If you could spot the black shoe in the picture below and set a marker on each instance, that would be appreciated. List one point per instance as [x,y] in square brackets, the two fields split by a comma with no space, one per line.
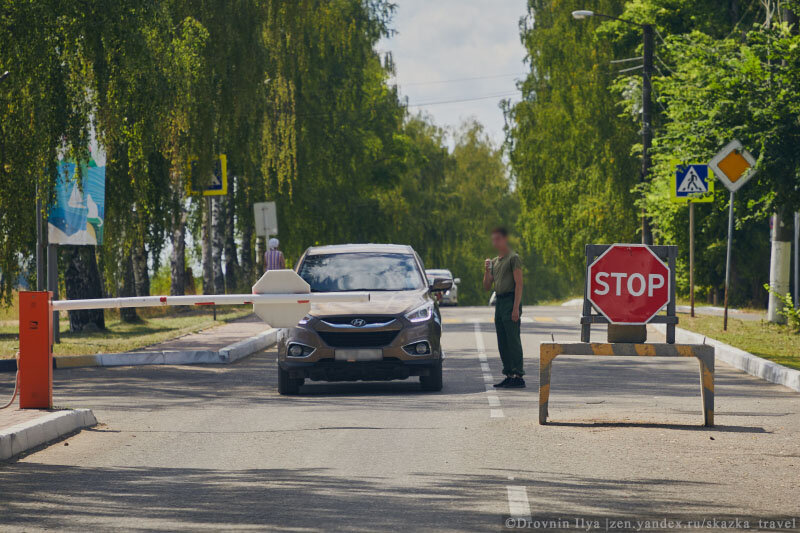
[503,383]
[516,383]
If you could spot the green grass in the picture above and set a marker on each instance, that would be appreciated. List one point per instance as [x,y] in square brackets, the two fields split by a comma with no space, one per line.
[770,341]
[157,325]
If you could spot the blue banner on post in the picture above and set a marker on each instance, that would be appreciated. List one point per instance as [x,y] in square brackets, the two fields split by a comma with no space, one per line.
[76,216]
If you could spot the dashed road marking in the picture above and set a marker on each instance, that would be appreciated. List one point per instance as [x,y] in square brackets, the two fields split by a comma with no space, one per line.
[518,505]
[493,399]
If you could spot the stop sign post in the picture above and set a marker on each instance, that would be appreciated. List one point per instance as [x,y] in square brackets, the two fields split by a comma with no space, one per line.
[628,284]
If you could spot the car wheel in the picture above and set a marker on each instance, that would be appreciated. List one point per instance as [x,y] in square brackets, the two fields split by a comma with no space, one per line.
[432,382]
[288,385]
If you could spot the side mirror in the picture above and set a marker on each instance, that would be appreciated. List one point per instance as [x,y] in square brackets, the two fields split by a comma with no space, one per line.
[441,284]
[457,281]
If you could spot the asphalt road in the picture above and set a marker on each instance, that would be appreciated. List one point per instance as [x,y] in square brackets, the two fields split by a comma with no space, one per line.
[215,447]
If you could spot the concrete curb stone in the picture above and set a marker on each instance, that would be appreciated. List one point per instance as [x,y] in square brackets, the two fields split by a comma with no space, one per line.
[745,361]
[22,437]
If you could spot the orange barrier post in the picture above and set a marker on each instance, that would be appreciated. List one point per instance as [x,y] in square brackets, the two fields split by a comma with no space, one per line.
[35,351]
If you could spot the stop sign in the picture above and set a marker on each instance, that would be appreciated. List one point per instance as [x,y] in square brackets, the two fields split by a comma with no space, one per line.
[628,284]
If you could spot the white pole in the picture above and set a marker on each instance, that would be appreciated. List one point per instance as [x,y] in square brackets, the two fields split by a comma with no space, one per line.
[728,263]
[211,299]
[796,259]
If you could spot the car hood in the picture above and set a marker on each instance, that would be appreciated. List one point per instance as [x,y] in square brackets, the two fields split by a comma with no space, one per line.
[380,303]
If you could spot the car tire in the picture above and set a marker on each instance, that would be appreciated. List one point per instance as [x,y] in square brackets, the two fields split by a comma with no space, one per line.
[288,385]
[433,381]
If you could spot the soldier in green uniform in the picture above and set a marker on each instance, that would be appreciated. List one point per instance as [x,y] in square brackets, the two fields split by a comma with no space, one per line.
[505,272]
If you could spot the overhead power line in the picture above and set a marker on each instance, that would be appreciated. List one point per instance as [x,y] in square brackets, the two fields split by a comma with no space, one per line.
[461,79]
[455,101]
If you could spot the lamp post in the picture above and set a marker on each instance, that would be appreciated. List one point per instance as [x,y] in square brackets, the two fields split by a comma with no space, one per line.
[647,89]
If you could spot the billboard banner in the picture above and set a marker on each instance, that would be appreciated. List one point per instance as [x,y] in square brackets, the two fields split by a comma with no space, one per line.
[76,216]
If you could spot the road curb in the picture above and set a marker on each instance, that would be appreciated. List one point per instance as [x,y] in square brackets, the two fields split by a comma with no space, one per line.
[745,361]
[22,437]
[228,354]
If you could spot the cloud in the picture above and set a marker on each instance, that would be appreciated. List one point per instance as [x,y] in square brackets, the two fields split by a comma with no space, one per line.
[443,40]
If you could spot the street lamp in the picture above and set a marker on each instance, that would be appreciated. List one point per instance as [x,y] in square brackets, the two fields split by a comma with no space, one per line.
[4,75]
[647,89]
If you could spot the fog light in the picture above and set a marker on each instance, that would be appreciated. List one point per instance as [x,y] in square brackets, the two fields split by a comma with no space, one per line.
[295,350]
[421,348]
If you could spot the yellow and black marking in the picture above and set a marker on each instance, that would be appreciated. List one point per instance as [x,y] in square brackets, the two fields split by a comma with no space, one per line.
[703,352]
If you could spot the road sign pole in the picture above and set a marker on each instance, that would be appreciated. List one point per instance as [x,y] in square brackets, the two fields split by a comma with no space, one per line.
[691,256]
[52,286]
[728,263]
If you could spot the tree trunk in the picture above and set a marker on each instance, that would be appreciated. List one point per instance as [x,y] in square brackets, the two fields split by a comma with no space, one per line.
[247,272]
[218,243]
[82,281]
[141,276]
[231,262]
[178,256]
[128,314]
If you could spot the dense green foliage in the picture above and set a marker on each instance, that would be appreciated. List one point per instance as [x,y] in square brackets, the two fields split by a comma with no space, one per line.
[569,151]
[725,69]
[294,93]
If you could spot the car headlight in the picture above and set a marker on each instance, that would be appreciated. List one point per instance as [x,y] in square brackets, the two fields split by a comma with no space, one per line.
[421,313]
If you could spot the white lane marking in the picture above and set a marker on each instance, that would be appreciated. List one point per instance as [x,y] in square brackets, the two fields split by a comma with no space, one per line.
[526,320]
[518,506]
[493,399]
[569,320]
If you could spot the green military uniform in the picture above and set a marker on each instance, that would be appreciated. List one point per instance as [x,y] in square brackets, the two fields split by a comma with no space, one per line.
[508,335]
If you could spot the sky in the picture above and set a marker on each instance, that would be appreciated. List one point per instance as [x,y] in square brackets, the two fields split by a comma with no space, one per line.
[439,41]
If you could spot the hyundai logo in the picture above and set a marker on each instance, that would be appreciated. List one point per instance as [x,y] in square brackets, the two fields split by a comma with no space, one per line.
[358,322]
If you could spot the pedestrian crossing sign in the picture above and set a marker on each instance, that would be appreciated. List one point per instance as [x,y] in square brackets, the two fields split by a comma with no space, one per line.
[692,183]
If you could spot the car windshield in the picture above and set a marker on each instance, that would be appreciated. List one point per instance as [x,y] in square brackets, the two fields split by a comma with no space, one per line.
[362,271]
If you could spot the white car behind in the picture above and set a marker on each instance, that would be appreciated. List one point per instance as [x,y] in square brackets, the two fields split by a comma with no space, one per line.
[449,297]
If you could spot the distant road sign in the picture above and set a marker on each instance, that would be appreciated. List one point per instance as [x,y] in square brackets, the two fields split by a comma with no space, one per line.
[266,216]
[219,177]
[733,165]
[628,284]
[692,183]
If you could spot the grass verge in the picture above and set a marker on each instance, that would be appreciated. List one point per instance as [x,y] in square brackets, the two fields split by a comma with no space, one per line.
[770,341]
[156,326]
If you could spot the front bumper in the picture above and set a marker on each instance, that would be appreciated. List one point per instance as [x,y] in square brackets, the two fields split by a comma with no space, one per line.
[331,370]
[396,363]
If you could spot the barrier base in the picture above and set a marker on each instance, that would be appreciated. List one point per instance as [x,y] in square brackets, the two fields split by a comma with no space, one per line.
[703,352]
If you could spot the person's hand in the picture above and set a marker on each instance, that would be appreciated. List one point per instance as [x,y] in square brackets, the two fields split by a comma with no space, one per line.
[487,265]
[515,315]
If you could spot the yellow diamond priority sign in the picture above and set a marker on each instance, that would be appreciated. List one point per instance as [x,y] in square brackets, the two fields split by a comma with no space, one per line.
[733,166]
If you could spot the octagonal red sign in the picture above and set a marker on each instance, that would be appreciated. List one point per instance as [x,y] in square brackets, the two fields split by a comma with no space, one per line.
[628,284]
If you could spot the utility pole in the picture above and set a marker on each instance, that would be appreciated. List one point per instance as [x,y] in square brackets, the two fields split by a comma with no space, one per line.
[796,259]
[780,265]
[647,128]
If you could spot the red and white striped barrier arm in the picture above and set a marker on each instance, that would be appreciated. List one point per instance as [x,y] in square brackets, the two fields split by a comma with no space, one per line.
[211,299]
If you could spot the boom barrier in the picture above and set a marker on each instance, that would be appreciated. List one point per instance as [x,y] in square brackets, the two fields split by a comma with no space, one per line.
[280,298]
